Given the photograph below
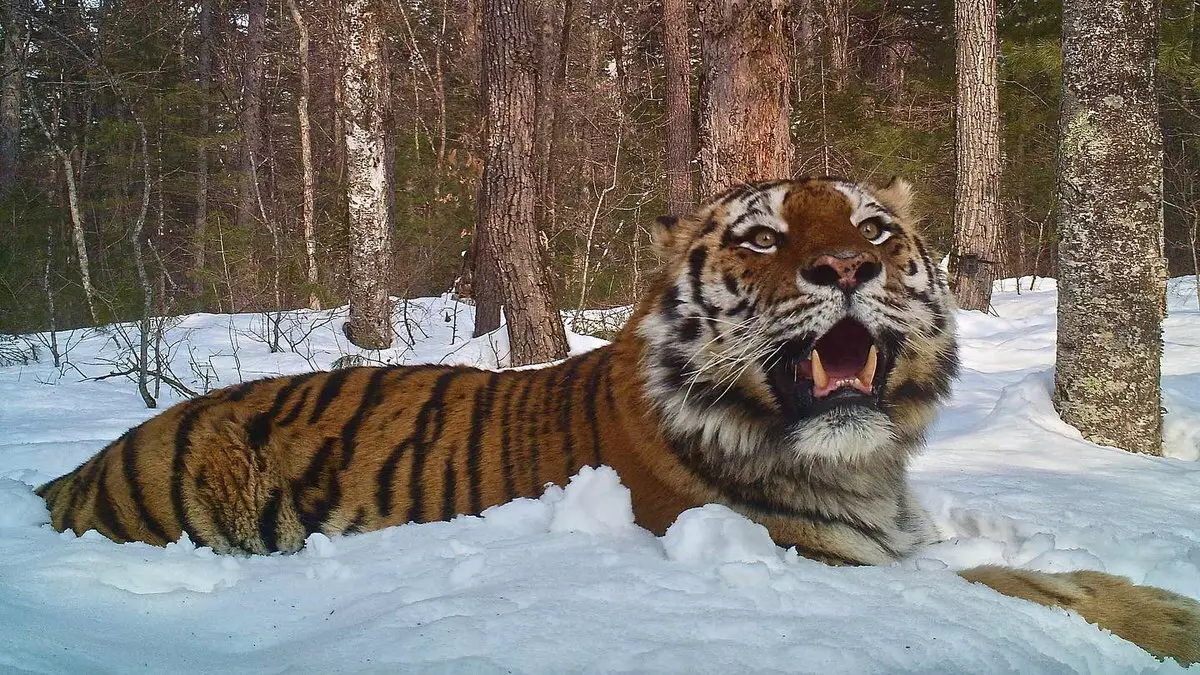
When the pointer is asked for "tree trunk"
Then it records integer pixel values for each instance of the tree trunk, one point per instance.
(510, 60)
(12, 79)
(681, 145)
(978, 217)
(85, 274)
(553, 48)
(745, 103)
(204, 76)
(367, 97)
(310, 242)
(1110, 190)
(251, 117)
(837, 41)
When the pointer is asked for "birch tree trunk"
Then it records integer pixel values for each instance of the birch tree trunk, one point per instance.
(81, 254)
(978, 217)
(12, 79)
(204, 76)
(367, 97)
(745, 104)
(681, 145)
(310, 242)
(1110, 190)
(510, 239)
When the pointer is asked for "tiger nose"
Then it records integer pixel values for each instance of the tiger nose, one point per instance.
(847, 269)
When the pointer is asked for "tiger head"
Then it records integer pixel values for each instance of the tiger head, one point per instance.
(795, 323)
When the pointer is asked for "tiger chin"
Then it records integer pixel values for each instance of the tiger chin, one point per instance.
(785, 362)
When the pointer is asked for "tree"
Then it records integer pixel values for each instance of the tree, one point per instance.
(252, 123)
(367, 97)
(744, 102)
(12, 77)
(837, 41)
(310, 243)
(508, 236)
(978, 216)
(1112, 271)
(204, 77)
(681, 147)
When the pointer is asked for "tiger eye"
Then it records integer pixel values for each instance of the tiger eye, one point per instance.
(764, 238)
(869, 229)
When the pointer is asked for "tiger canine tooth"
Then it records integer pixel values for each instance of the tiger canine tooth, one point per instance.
(867, 375)
(820, 379)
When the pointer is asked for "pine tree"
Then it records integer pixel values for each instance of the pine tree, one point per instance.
(508, 235)
(978, 217)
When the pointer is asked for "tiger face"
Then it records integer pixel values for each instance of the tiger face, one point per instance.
(798, 323)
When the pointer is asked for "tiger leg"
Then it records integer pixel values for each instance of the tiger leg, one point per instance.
(235, 496)
(1161, 622)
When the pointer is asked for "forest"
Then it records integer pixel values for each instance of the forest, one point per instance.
(183, 126)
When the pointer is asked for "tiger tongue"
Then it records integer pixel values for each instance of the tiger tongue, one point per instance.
(828, 380)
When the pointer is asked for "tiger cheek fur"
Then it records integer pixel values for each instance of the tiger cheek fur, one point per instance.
(785, 362)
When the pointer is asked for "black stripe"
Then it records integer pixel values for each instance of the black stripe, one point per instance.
(182, 445)
(591, 418)
(533, 437)
(104, 507)
(329, 391)
(268, 520)
(238, 392)
(510, 401)
(231, 542)
(565, 413)
(325, 498)
(258, 431)
(129, 453)
(356, 525)
(522, 434)
(372, 396)
(295, 411)
(434, 407)
(482, 411)
(286, 390)
(448, 480)
(689, 329)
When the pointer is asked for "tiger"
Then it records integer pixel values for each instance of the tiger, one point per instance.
(785, 362)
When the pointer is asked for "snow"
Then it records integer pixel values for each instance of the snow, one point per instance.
(567, 582)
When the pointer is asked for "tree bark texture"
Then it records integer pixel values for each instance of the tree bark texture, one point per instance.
(310, 242)
(745, 105)
(510, 238)
(367, 97)
(978, 217)
(1110, 190)
(12, 79)
(681, 144)
(204, 77)
(837, 41)
(554, 36)
(251, 118)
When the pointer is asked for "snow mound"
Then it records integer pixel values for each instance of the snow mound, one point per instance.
(715, 534)
(595, 502)
(19, 506)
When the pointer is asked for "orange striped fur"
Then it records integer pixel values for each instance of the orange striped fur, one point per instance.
(709, 394)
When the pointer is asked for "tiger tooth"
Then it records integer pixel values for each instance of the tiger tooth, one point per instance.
(867, 375)
(820, 379)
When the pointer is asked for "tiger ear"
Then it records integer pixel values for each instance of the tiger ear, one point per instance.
(662, 235)
(897, 196)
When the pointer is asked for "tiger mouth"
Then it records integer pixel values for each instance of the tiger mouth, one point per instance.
(844, 365)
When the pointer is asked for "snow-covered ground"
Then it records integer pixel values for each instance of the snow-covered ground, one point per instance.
(568, 583)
